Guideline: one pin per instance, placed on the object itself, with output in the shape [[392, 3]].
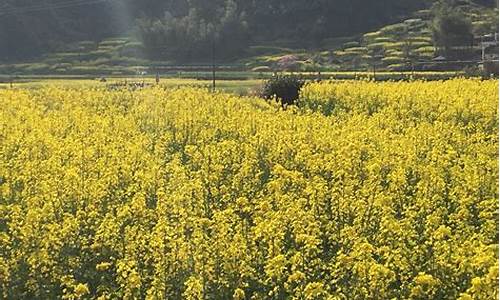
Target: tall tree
[[450, 27], [193, 37]]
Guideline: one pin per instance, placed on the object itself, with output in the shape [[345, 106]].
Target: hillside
[[400, 46], [116, 41], [32, 28]]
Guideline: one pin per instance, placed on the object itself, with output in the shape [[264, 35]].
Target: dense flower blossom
[[363, 191]]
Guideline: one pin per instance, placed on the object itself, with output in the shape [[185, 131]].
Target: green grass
[[228, 84], [240, 87]]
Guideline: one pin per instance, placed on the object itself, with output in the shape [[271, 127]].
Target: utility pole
[[483, 50], [213, 63]]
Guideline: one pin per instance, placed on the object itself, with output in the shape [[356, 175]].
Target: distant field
[[241, 87], [237, 82], [245, 75]]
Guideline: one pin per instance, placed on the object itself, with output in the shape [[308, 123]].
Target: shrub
[[283, 88]]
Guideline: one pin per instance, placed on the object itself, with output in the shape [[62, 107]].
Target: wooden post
[[213, 64]]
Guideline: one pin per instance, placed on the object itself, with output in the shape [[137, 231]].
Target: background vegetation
[[116, 37]]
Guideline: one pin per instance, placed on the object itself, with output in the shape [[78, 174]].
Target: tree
[[192, 37], [450, 27], [30, 28]]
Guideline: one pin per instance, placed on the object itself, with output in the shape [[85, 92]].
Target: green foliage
[[283, 88], [450, 27], [184, 31], [197, 36], [169, 27]]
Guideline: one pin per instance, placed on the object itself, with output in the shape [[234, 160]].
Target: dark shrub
[[284, 88]]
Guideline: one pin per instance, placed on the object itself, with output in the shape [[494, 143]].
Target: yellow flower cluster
[[364, 191]]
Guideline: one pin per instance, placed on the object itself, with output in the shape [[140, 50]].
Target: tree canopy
[[183, 29]]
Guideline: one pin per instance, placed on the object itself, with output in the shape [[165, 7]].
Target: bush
[[285, 89]]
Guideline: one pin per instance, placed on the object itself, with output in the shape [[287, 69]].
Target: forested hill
[[185, 29]]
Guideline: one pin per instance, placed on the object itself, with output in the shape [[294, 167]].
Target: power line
[[46, 6], [8, 8], [37, 8]]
